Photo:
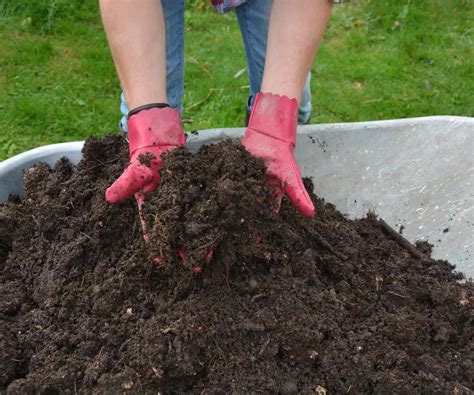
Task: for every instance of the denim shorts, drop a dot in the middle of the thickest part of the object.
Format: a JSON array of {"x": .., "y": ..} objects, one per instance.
[{"x": 253, "y": 18}]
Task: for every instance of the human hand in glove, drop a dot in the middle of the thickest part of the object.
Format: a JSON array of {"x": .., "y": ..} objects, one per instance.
[
  {"x": 152, "y": 131},
  {"x": 271, "y": 135}
]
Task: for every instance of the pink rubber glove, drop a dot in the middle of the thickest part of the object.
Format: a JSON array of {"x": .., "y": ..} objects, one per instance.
[
  {"x": 151, "y": 132},
  {"x": 271, "y": 135}
]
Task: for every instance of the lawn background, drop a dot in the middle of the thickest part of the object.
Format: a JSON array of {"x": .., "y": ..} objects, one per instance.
[{"x": 380, "y": 60}]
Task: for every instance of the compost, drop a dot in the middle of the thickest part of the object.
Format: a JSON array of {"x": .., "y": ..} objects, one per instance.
[{"x": 227, "y": 296}]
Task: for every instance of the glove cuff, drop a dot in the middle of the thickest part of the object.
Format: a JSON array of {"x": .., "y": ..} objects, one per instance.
[
  {"x": 155, "y": 127},
  {"x": 275, "y": 116},
  {"x": 146, "y": 107}
]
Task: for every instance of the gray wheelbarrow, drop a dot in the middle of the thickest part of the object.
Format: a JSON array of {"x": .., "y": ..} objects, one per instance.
[{"x": 415, "y": 173}]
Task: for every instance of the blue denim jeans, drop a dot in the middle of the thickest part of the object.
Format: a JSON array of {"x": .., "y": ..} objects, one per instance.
[{"x": 253, "y": 17}]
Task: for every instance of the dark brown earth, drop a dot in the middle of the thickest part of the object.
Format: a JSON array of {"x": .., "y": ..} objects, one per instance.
[{"x": 286, "y": 305}]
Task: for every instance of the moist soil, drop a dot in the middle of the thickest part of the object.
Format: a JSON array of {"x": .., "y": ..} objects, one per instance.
[{"x": 227, "y": 296}]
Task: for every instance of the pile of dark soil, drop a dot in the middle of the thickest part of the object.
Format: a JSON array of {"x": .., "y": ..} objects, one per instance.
[{"x": 286, "y": 305}]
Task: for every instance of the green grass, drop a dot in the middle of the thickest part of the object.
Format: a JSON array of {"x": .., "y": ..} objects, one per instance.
[{"x": 380, "y": 60}]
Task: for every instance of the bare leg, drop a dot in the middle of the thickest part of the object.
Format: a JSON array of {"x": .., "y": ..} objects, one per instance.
[
  {"x": 295, "y": 32},
  {"x": 136, "y": 33}
]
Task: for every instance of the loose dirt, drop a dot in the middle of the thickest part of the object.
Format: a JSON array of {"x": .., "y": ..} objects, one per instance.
[{"x": 227, "y": 296}]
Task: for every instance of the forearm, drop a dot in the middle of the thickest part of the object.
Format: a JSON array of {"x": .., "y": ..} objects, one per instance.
[
  {"x": 295, "y": 33},
  {"x": 136, "y": 33}
]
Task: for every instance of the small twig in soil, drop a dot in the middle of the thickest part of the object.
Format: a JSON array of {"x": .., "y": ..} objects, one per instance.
[
  {"x": 219, "y": 349},
  {"x": 98, "y": 356},
  {"x": 213, "y": 362},
  {"x": 325, "y": 244},
  {"x": 85, "y": 234},
  {"x": 171, "y": 328},
  {"x": 257, "y": 297},
  {"x": 394, "y": 293},
  {"x": 102, "y": 164},
  {"x": 123, "y": 345},
  {"x": 265, "y": 345},
  {"x": 402, "y": 241},
  {"x": 378, "y": 282}
]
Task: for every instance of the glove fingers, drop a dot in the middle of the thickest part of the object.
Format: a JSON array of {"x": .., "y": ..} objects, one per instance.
[
  {"x": 151, "y": 186},
  {"x": 133, "y": 179},
  {"x": 277, "y": 191},
  {"x": 299, "y": 197},
  {"x": 140, "y": 198},
  {"x": 184, "y": 258}
]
